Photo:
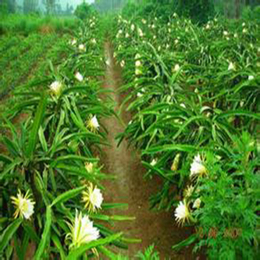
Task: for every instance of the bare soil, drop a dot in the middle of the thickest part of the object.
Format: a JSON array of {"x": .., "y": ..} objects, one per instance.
[{"x": 151, "y": 227}]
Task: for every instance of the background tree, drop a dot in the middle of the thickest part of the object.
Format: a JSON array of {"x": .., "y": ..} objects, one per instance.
[
  {"x": 83, "y": 10},
  {"x": 50, "y": 6},
  {"x": 69, "y": 9},
  {"x": 30, "y": 6},
  {"x": 109, "y": 5},
  {"x": 7, "y": 6}
]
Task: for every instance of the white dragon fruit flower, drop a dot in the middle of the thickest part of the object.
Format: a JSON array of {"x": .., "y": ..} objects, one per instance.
[{"x": 79, "y": 77}]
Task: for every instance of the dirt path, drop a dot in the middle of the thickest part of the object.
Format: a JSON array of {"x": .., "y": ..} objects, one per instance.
[{"x": 130, "y": 187}]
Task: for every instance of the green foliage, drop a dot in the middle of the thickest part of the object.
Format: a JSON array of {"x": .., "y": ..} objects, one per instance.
[
  {"x": 198, "y": 11},
  {"x": 83, "y": 11},
  {"x": 228, "y": 216},
  {"x": 47, "y": 154},
  {"x": 253, "y": 14},
  {"x": 149, "y": 254},
  {"x": 192, "y": 93},
  {"x": 26, "y": 24}
]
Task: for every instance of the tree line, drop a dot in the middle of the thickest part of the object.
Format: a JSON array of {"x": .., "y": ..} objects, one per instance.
[{"x": 35, "y": 6}]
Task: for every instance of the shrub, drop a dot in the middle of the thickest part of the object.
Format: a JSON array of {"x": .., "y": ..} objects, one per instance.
[{"x": 83, "y": 11}]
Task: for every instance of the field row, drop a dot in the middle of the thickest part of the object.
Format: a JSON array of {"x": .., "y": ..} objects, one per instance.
[
  {"x": 194, "y": 94},
  {"x": 49, "y": 165}
]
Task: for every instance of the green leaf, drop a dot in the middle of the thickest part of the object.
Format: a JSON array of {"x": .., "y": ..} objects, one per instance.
[
  {"x": 73, "y": 157},
  {"x": 114, "y": 205},
  {"x": 42, "y": 139},
  {"x": 36, "y": 125},
  {"x": 8, "y": 233},
  {"x": 58, "y": 244},
  {"x": 106, "y": 252},
  {"x": 170, "y": 147},
  {"x": 10, "y": 167},
  {"x": 191, "y": 239},
  {"x": 75, "y": 253},
  {"x": 67, "y": 195},
  {"x": 5, "y": 159},
  {"x": 31, "y": 232},
  {"x": 239, "y": 113},
  {"x": 11, "y": 146},
  {"x": 45, "y": 235}
]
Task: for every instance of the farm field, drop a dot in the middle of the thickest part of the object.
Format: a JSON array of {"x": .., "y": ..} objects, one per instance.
[{"x": 130, "y": 137}]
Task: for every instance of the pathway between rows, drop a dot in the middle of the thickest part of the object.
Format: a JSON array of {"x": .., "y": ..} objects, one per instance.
[{"x": 130, "y": 187}]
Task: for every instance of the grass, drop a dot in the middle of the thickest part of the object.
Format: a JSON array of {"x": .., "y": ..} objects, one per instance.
[{"x": 26, "y": 24}]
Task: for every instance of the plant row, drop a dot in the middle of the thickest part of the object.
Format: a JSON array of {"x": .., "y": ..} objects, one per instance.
[
  {"x": 193, "y": 94},
  {"x": 52, "y": 197}
]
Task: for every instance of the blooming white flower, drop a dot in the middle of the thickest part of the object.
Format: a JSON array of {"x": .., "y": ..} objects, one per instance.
[
  {"x": 93, "y": 124},
  {"x": 93, "y": 41},
  {"x": 177, "y": 67},
  {"x": 92, "y": 198},
  {"x": 144, "y": 21},
  {"x": 225, "y": 33},
  {"x": 24, "y": 205},
  {"x": 182, "y": 213},
  {"x": 197, "y": 167},
  {"x": 79, "y": 77},
  {"x": 122, "y": 63},
  {"x": 235, "y": 35},
  {"x": 139, "y": 94},
  {"x": 243, "y": 24},
  {"x": 140, "y": 32},
  {"x": 137, "y": 56},
  {"x": 244, "y": 30},
  {"x": 127, "y": 35},
  {"x": 176, "y": 41},
  {"x": 82, "y": 231},
  {"x": 56, "y": 87},
  {"x": 138, "y": 71},
  {"x": 197, "y": 203},
  {"x": 231, "y": 66},
  {"x": 153, "y": 26},
  {"x": 138, "y": 63},
  {"x": 108, "y": 61},
  {"x": 207, "y": 26},
  {"x": 132, "y": 27},
  {"x": 174, "y": 15},
  {"x": 82, "y": 47},
  {"x": 153, "y": 162},
  {"x": 251, "y": 77}
]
